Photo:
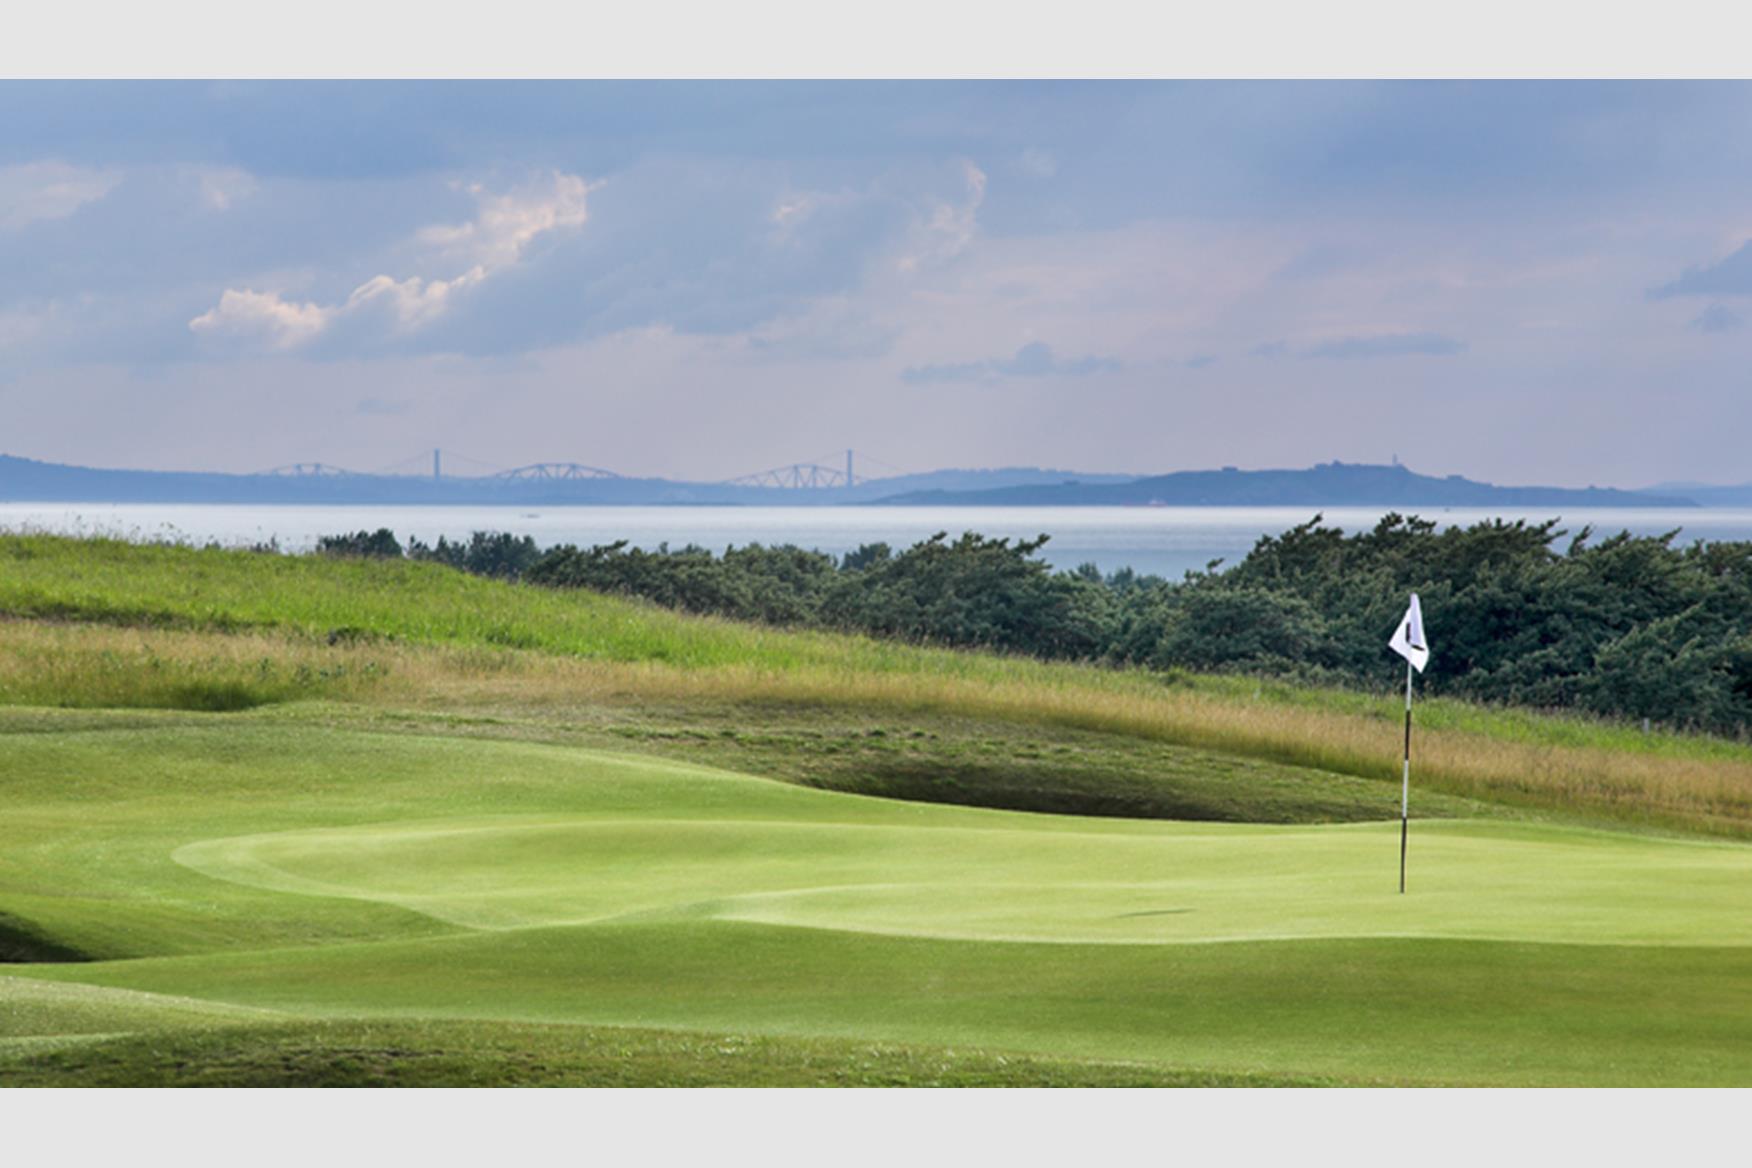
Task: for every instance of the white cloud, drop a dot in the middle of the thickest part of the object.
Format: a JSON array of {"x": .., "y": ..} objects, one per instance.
[
  {"x": 48, "y": 190},
  {"x": 495, "y": 239},
  {"x": 265, "y": 316},
  {"x": 793, "y": 208},
  {"x": 952, "y": 226},
  {"x": 506, "y": 224},
  {"x": 413, "y": 302}
]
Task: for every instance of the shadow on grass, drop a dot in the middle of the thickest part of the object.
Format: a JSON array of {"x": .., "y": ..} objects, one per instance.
[{"x": 21, "y": 943}]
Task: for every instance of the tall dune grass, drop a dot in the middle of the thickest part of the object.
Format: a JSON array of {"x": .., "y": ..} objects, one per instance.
[
  {"x": 83, "y": 666},
  {"x": 212, "y": 629},
  {"x": 1670, "y": 790}
]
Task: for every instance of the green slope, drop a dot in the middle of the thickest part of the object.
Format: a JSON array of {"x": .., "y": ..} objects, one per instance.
[{"x": 333, "y": 875}]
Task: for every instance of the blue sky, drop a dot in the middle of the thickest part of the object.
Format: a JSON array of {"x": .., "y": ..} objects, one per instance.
[{"x": 1524, "y": 282}]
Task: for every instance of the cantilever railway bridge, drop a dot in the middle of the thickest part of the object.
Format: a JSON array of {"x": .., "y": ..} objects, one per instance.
[{"x": 798, "y": 476}]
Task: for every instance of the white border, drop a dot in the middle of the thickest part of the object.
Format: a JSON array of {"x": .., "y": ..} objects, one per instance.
[
  {"x": 880, "y": 1129},
  {"x": 895, "y": 38}
]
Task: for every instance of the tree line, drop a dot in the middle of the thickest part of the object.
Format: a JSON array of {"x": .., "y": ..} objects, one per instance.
[{"x": 1627, "y": 626}]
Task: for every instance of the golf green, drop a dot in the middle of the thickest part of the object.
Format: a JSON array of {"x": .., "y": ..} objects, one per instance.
[{"x": 997, "y": 876}]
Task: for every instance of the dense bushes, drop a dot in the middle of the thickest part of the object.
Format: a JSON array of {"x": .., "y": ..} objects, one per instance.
[
  {"x": 1628, "y": 626},
  {"x": 975, "y": 592}
]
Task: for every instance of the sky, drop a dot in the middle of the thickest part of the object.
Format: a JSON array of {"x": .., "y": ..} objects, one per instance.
[{"x": 1519, "y": 282}]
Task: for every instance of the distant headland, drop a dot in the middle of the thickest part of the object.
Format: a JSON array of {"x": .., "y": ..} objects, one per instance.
[{"x": 1328, "y": 484}]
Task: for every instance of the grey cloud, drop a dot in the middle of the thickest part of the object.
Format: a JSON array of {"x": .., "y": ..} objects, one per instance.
[
  {"x": 1731, "y": 276},
  {"x": 1200, "y": 361},
  {"x": 832, "y": 343},
  {"x": 1320, "y": 261},
  {"x": 924, "y": 374},
  {"x": 1718, "y": 318},
  {"x": 697, "y": 246},
  {"x": 1031, "y": 360},
  {"x": 1387, "y": 345},
  {"x": 1270, "y": 349}
]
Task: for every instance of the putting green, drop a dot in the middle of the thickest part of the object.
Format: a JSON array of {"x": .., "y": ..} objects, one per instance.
[{"x": 1017, "y": 877}]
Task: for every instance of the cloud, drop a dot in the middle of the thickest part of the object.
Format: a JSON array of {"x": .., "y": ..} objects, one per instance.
[
  {"x": 1199, "y": 361},
  {"x": 508, "y": 223},
  {"x": 1270, "y": 349},
  {"x": 832, "y": 328},
  {"x": 48, "y": 190},
  {"x": 952, "y": 224},
  {"x": 1718, "y": 318},
  {"x": 279, "y": 324},
  {"x": 376, "y": 406},
  {"x": 411, "y": 303},
  {"x": 702, "y": 246},
  {"x": 494, "y": 240},
  {"x": 1730, "y": 276},
  {"x": 220, "y": 188},
  {"x": 1387, "y": 345},
  {"x": 1031, "y": 360}
]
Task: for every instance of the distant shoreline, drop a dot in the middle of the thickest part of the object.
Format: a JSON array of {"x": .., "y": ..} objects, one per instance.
[{"x": 1332, "y": 484}]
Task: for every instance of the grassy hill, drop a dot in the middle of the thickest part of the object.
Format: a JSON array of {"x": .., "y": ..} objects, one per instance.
[{"x": 288, "y": 820}]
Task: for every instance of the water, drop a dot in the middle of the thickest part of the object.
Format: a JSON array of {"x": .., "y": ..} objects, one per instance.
[{"x": 1165, "y": 541}]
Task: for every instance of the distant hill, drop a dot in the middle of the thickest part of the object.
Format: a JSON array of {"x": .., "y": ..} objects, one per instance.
[
  {"x": 24, "y": 479},
  {"x": 27, "y": 479},
  {"x": 1709, "y": 494},
  {"x": 1329, "y": 484},
  {"x": 976, "y": 480}
]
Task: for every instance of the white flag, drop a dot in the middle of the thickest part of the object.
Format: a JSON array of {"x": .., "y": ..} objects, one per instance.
[{"x": 1408, "y": 639}]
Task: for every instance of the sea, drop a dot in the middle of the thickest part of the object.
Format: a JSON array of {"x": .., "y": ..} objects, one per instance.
[{"x": 1162, "y": 541}]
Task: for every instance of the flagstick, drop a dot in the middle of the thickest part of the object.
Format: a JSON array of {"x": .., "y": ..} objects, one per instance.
[{"x": 1405, "y": 783}]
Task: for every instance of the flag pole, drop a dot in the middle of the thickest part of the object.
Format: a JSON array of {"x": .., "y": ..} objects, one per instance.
[{"x": 1405, "y": 783}]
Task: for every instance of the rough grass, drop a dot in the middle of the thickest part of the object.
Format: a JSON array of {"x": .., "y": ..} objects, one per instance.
[
  {"x": 397, "y": 1053},
  {"x": 419, "y": 634},
  {"x": 105, "y": 667}
]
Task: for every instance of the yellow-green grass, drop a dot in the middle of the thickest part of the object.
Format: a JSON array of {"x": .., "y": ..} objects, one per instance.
[
  {"x": 447, "y": 1053},
  {"x": 342, "y": 878},
  {"x": 218, "y": 629}
]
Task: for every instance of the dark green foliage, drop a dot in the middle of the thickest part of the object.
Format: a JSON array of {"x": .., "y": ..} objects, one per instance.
[
  {"x": 976, "y": 592},
  {"x": 780, "y": 585},
  {"x": 1631, "y": 626},
  {"x": 1205, "y": 625},
  {"x": 372, "y": 545},
  {"x": 498, "y": 554}
]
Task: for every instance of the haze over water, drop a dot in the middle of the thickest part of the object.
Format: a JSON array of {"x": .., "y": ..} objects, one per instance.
[{"x": 1165, "y": 541}]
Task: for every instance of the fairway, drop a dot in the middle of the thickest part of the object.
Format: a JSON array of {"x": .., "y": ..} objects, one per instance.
[{"x": 222, "y": 870}]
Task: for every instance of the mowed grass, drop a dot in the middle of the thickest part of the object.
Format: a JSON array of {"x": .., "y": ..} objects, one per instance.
[
  {"x": 273, "y": 880},
  {"x": 213, "y": 629}
]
